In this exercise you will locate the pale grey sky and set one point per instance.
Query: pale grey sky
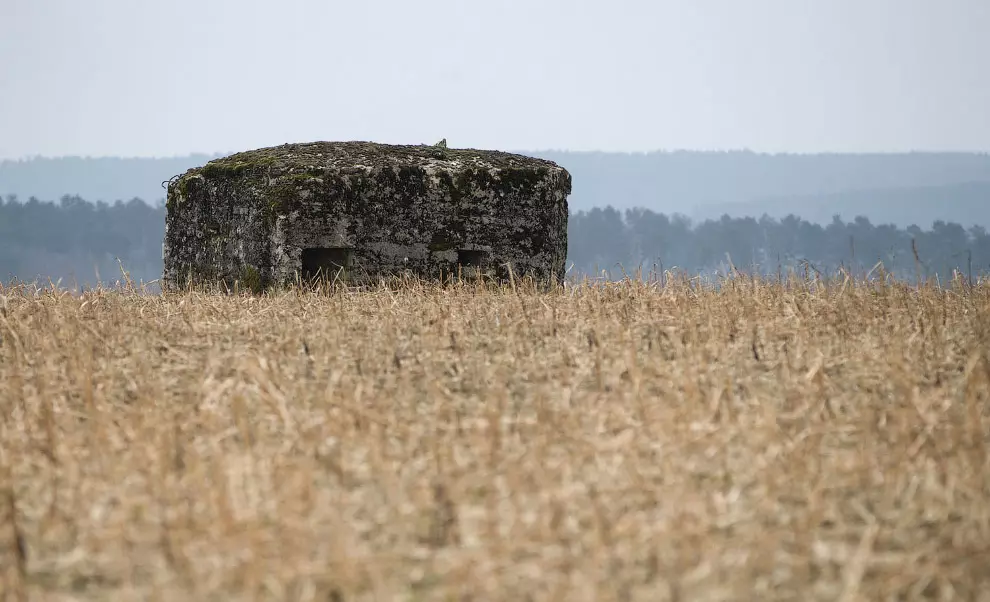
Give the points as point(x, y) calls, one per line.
point(170, 77)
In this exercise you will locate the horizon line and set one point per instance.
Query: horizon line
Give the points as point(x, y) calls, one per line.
point(657, 151)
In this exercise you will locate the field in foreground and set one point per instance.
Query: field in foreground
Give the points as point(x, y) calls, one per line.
point(618, 442)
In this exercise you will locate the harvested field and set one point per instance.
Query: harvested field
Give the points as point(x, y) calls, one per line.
point(794, 440)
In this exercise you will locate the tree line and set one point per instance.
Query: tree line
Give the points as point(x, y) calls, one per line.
point(82, 243)
point(898, 188)
point(623, 241)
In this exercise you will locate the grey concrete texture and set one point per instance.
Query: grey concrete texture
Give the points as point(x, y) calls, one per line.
point(362, 211)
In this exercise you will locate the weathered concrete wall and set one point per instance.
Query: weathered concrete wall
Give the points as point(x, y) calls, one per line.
point(253, 215)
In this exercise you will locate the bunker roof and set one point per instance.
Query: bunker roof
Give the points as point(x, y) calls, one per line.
point(347, 156)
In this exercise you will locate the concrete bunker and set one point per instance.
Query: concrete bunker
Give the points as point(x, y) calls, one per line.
point(360, 211)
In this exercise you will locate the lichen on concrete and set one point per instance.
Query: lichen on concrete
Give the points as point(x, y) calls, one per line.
point(256, 216)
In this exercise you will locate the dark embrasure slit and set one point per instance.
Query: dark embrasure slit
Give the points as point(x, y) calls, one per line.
point(325, 262)
point(471, 258)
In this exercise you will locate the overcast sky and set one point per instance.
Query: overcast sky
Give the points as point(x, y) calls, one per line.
point(159, 78)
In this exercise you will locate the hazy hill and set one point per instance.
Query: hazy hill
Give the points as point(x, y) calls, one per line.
point(93, 178)
point(886, 188)
point(967, 204)
point(683, 181)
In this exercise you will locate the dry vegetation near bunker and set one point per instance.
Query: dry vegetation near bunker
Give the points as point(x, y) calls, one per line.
point(624, 441)
point(360, 212)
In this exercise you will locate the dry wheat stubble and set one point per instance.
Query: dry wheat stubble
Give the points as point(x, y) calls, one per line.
point(620, 442)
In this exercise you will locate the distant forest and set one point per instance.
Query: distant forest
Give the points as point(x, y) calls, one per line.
point(694, 211)
point(896, 188)
point(77, 241)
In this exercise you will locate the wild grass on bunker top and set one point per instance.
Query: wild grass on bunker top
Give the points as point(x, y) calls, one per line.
point(799, 440)
point(332, 155)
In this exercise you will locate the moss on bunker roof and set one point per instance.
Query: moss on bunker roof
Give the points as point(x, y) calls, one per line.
point(322, 156)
